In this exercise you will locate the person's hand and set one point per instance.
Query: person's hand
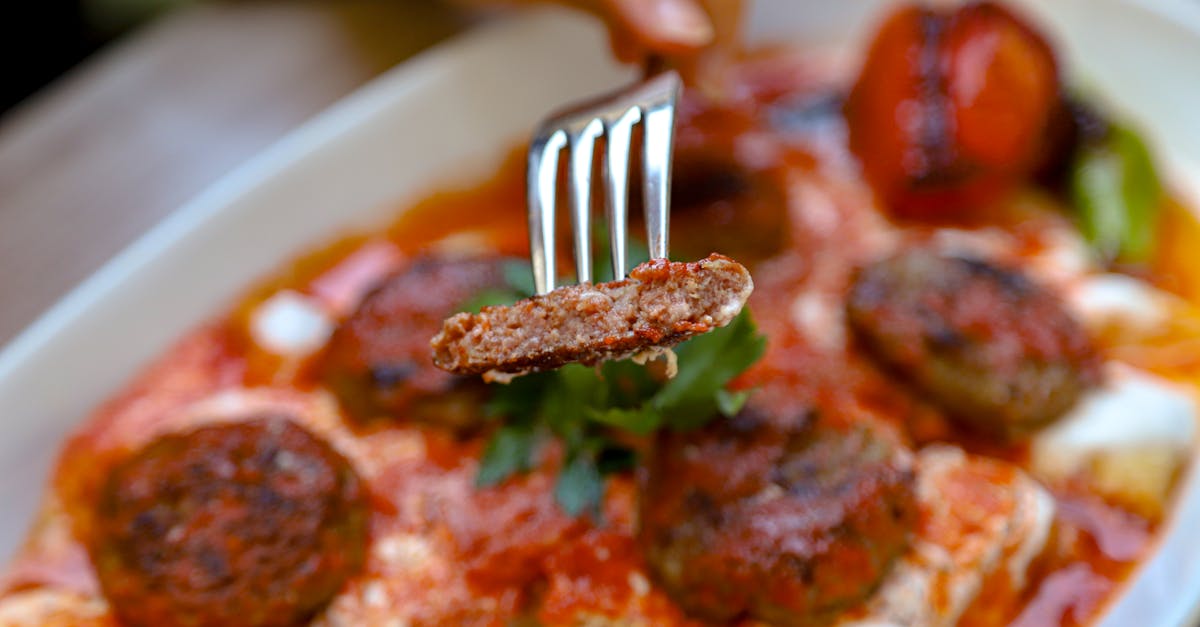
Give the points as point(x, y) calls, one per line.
point(639, 28)
point(645, 28)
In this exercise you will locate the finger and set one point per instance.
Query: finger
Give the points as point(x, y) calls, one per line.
point(665, 26)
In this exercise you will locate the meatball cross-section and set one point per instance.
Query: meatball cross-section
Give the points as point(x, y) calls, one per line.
point(661, 304)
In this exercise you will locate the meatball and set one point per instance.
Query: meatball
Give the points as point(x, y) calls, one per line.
point(378, 360)
point(781, 524)
point(991, 347)
point(255, 523)
point(659, 305)
point(718, 204)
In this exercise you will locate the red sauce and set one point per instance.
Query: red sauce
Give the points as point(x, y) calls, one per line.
point(512, 547)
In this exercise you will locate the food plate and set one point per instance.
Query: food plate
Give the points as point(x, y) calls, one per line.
point(448, 119)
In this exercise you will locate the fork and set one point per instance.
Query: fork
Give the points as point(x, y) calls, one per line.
point(613, 116)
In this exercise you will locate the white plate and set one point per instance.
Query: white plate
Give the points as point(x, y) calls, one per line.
point(447, 119)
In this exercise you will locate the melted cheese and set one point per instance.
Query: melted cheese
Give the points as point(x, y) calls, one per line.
point(45, 607)
point(979, 518)
point(1127, 438)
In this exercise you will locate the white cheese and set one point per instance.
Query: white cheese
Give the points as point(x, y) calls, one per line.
point(1104, 299)
point(1127, 438)
point(985, 243)
point(1134, 409)
point(48, 606)
point(1064, 255)
point(997, 521)
point(819, 316)
point(290, 324)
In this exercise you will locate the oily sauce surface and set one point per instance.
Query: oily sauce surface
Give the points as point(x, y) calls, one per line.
point(764, 178)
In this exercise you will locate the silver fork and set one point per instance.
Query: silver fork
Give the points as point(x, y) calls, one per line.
point(651, 103)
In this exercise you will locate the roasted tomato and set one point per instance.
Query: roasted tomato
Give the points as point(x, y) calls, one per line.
point(248, 524)
point(785, 524)
point(951, 109)
point(992, 347)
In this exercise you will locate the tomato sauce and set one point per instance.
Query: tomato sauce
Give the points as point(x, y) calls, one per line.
point(451, 553)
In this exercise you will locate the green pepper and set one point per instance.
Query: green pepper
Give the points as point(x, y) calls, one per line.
point(1116, 191)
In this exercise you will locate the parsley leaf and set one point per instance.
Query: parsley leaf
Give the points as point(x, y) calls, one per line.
point(487, 298)
point(519, 399)
point(580, 486)
point(706, 364)
point(730, 403)
point(638, 420)
point(588, 410)
point(509, 452)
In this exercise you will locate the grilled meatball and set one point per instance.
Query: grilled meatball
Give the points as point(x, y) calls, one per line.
point(989, 345)
point(378, 360)
point(717, 204)
point(255, 523)
point(781, 524)
point(661, 304)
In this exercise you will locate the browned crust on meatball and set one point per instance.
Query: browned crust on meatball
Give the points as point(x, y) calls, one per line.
point(255, 523)
point(661, 304)
point(378, 360)
point(785, 524)
point(996, 350)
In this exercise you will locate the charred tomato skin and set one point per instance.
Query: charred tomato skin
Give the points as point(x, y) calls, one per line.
point(952, 109)
point(782, 524)
point(379, 361)
point(995, 349)
point(256, 523)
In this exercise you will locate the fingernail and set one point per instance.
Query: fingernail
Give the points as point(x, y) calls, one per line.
point(683, 22)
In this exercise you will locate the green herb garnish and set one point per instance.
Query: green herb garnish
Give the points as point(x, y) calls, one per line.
point(586, 408)
point(510, 451)
point(1116, 190)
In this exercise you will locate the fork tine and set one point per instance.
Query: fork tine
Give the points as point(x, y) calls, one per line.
point(651, 103)
point(542, 176)
point(616, 179)
point(583, 144)
point(659, 127)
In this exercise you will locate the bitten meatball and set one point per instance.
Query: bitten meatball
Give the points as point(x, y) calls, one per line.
point(994, 349)
point(781, 524)
point(378, 360)
point(659, 305)
point(255, 523)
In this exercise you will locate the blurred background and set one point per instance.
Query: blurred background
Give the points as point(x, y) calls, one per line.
point(115, 112)
point(52, 36)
